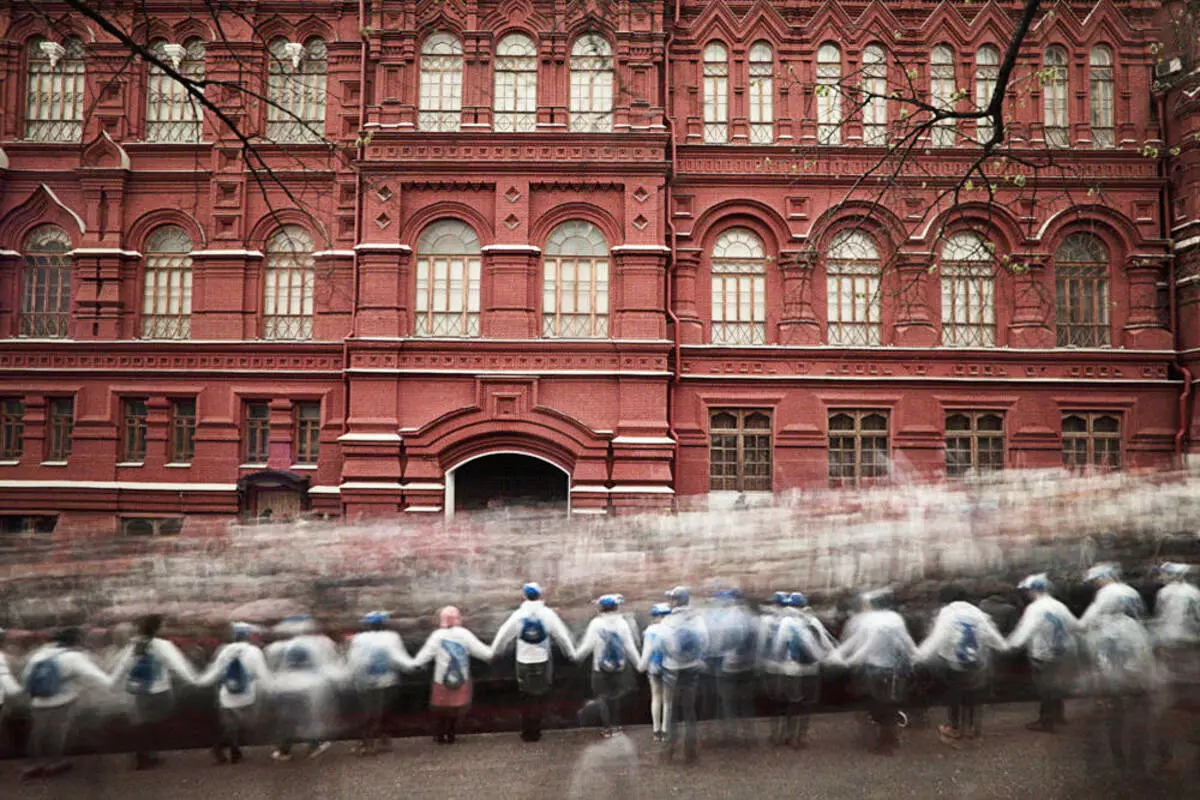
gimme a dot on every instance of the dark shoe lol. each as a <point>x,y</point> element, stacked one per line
<point>1041,726</point>
<point>440,738</point>
<point>449,738</point>
<point>146,762</point>
<point>235,755</point>
<point>33,773</point>
<point>219,755</point>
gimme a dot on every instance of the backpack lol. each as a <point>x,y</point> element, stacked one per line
<point>612,657</point>
<point>966,648</point>
<point>237,678</point>
<point>532,631</point>
<point>687,645</point>
<point>456,671</point>
<point>654,642</point>
<point>298,658</point>
<point>45,679</point>
<point>378,665</point>
<point>145,670</point>
<point>747,643</point>
<point>798,650</point>
<point>1058,634</point>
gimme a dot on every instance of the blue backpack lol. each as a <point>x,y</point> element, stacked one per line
<point>45,679</point>
<point>612,657</point>
<point>237,677</point>
<point>298,658</point>
<point>798,650</point>
<point>533,631</point>
<point>966,650</point>
<point>687,645</point>
<point>379,664</point>
<point>456,671</point>
<point>1058,634</point>
<point>145,670</point>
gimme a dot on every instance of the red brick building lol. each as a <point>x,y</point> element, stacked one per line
<point>609,255</point>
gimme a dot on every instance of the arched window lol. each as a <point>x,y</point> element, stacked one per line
<point>296,91</point>
<point>941,94</point>
<point>716,94</point>
<point>968,305</point>
<point>829,95</point>
<point>441,83</point>
<point>1101,74</point>
<point>852,290</point>
<point>1091,440</point>
<point>858,448</point>
<point>167,285</point>
<point>874,78</point>
<point>288,285</point>
<point>575,283</point>
<point>516,84</point>
<point>591,85</point>
<point>1081,291</point>
<point>762,94</point>
<point>1054,98</point>
<point>739,288</point>
<point>448,270</point>
<point>54,102</point>
<point>987,73</point>
<point>739,450</point>
<point>46,284</point>
<point>974,443</point>
<point>172,113</point>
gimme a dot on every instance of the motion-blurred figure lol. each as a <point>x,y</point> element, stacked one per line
<point>145,668</point>
<point>686,641</point>
<point>800,644</point>
<point>240,669</point>
<point>375,655</point>
<point>304,665</point>
<point>450,648</point>
<point>651,663</point>
<point>53,677</point>
<point>766,664</point>
<point>1113,596</point>
<point>1047,630</point>
<point>960,648</point>
<point>735,641</point>
<point>8,684</point>
<point>1176,634</point>
<point>534,626</point>
<point>607,769</point>
<point>612,647</point>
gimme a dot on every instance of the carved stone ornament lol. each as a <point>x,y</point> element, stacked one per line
<point>54,51</point>
<point>294,51</point>
<point>174,52</point>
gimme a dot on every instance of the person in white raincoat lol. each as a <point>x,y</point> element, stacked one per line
<point>736,640</point>
<point>612,647</point>
<point>1124,675</point>
<point>305,667</point>
<point>374,658</point>
<point>450,648</point>
<point>1176,632</point>
<point>650,662</point>
<point>240,669</point>
<point>686,646</point>
<point>1112,597</point>
<point>765,663</point>
<point>800,644</point>
<point>9,687</point>
<point>1047,630</point>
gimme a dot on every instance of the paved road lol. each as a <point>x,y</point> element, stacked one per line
<point>1010,763</point>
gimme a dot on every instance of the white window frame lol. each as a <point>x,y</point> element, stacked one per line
<point>1055,91</point>
<point>575,285</point>
<point>1100,97</point>
<point>739,288</point>
<point>853,272</point>
<point>46,284</point>
<point>1082,292</point>
<point>515,83</point>
<point>829,95</point>
<point>440,105</point>
<point>296,89</point>
<point>592,81</point>
<point>874,78</point>
<point>762,93</point>
<point>288,280</point>
<point>173,114</point>
<point>167,284</point>
<point>987,75</point>
<point>968,291</point>
<point>942,86</point>
<point>449,268</point>
<point>55,90</point>
<point>716,93</point>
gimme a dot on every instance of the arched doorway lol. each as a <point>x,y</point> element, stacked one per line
<point>272,496</point>
<point>507,480</point>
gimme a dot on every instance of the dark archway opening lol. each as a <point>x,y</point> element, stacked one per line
<point>508,480</point>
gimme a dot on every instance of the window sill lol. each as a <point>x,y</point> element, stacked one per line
<point>10,462</point>
<point>179,465</point>
<point>131,464</point>
<point>303,466</point>
<point>252,466</point>
<point>53,464</point>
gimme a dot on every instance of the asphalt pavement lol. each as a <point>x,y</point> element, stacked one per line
<point>1009,762</point>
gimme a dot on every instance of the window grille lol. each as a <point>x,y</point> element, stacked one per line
<point>716,94</point>
<point>12,428</point>
<point>516,84</point>
<point>183,430</point>
<point>739,306</point>
<point>151,526</point>
<point>134,416</point>
<point>55,97</point>
<point>1091,440</point>
<point>167,285</point>
<point>1101,94</point>
<point>974,442</point>
<point>448,277</point>
<point>575,282</point>
<point>1054,98</point>
<point>968,292</point>
<point>739,450</point>
<point>762,94</point>
<point>591,85</point>
<point>258,432</point>
<point>829,97</point>
<point>987,73</point>
<point>874,78</point>
<point>852,290</point>
<point>441,83</point>
<point>858,448</point>
<point>296,91</point>
<point>941,90</point>
<point>46,284</point>
<point>60,425</point>
<point>1081,292</point>
<point>173,114</point>
<point>288,285</point>
<point>308,432</point>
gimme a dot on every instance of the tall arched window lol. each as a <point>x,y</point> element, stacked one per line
<point>941,94</point>
<point>762,94</point>
<point>716,94</point>
<point>591,84</point>
<point>968,304</point>
<point>987,73</point>
<point>54,101</point>
<point>1081,291</point>
<point>739,288</point>
<point>172,113</point>
<point>1101,95</point>
<point>874,78</point>
<point>441,83</point>
<point>1054,98</point>
<point>296,91</point>
<point>288,285</point>
<point>46,284</point>
<point>448,270</point>
<point>167,285</point>
<point>516,84</point>
<point>852,290</point>
<point>829,96</point>
<point>575,283</point>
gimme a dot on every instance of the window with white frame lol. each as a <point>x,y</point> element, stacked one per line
<point>515,84</point>
<point>167,284</point>
<point>829,95</point>
<point>941,95</point>
<point>716,94</point>
<point>1081,292</point>
<point>448,275</point>
<point>968,288</point>
<point>173,114</point>
<point>296,91</point>
<point>852,290</point>
<point>762,93</point>
<point>1101,96</point>
<point>441,83</point>
<point>1091,440</point>
<point>739,288</point>
<point>575,282</point>
<point>55,94</point>
<point>987,73</point>
<point>858,448</point>
<point>288,285</point>
<point>1054,97</point>
<point>46,284</point>
<point>874,78</point>
<point>591,85</point>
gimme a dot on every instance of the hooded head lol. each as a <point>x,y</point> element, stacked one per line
<point>780,599</point>
<point>1102,574</point>
<point>879,600</point>
<point>952,593</point>
<point>449,617</point>
<point>295,626</point>
<point>797,600</point>
<point>609,602</point>
<point>679,597</point>
<point>150,625</point>
<point>240,631</point>
<point>532,591</point>
<point>375,620</point>
<point>1035,584</point>
<point>67,637</point>
<point>1170,571</point>
<point>659,610</point>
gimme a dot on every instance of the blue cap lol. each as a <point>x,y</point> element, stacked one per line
<point>1103,571</point>
<point>1174,570</point>
<point>660,610</point>
<point>780,598</point>
<point>609,602</point>
<point>241,630</point>
<point>797,600</point>
<point>532,591</point>
<point>375,618</point>
<point>680,596</point>
<point>1035,583</point>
